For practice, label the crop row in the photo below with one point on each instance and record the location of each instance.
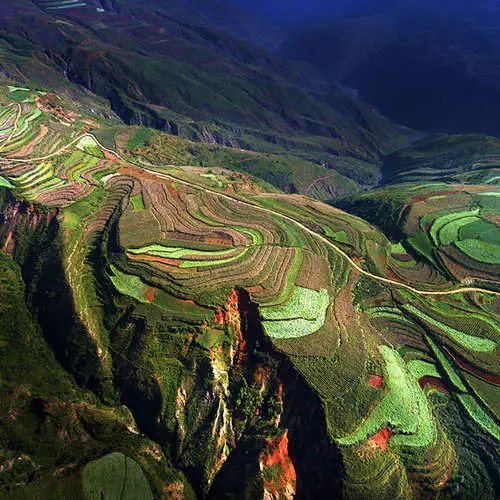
(471, 342)
(404, 408)
(303, 314)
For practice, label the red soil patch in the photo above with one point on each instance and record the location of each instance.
(111, 157)
(154, 258)
(218, 241)
(392, 275)
(188, 301)
(48, 104)
(150, 293)
(434, 382)
(277, 455)
(142, 174)
(487, 377)
(229, 315)
(219, 317)
(381, 439)
(27, 148)
(375, 381)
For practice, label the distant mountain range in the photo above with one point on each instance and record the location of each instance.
(433, 66)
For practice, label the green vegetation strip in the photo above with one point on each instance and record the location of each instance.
(304, 313)
(190, 255)
(403, 409)
(470, 342)
(440, 222)
(137, 202)
(74, 214)
(5, 183)
(479, 415)
(129, 285)
(480, 251)
(419, 368)
(446, 365)
(449, 232)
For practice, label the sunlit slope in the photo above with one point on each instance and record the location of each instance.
(206, 296)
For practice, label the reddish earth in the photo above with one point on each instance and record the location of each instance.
(375, 381)
(392, 275)
(218, 241)
(154, 258)
(28, 147)
(276, 454)
(230, 315)
(111, 157)
(48, 104)
(402, 257)
(150, 293)
(18, 215)
(219, 317)
(381, 439)
(487, 377)
(142, 174)
(434, 382)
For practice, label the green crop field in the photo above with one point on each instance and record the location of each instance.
(404, 408)
(480, 250)
(481, 417)
(188, 300)
(115, 476)
(303, 314)
(468, 341)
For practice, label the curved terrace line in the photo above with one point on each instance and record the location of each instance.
(338, 250)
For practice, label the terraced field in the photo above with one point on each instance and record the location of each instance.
(382, 332)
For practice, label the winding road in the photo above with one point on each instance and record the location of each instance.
(339, 251)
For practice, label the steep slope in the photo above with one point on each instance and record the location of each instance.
(251, 335)
(431, 65)
(195, 82)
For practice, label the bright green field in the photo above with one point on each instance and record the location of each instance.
(5, 183)
(470, 342)
(481, 251)
(190, 255)
(137, 202)
(404, 408)
(479, 415)
(304, 313)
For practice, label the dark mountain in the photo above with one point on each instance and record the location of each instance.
(431, 65)
(191, 80)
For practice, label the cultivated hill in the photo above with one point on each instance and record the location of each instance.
(195, 82)
(174, 331)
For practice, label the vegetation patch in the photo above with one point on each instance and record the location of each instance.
(480, 250)
(479, 415)
(403, 409)
(470, 342)
(304, 313)
(137, 202)
(115, 476)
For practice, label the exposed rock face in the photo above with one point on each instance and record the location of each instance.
(278, 470)
(17, 218)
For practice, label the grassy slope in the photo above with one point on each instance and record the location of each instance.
(51, 422)
(219, 89)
